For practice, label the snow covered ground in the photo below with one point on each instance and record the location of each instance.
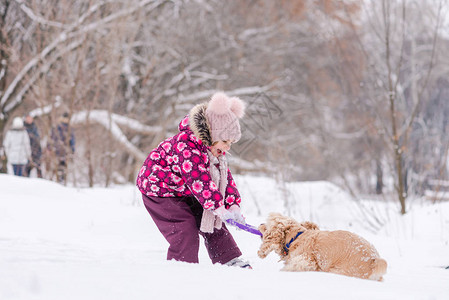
(66, 243)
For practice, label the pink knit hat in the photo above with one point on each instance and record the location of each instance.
(223, 113)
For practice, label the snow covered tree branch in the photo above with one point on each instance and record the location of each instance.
(70, 31)
(103, 118)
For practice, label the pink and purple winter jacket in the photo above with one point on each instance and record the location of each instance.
(179, 167)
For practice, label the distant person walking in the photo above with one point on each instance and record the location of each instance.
(36, 150)
(62, 145)
(17, 146)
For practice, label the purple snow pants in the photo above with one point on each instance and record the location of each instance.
(179, 219)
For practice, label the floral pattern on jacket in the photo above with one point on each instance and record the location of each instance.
(179, 167)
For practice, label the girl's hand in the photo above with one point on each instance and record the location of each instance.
(223, 213)
(237, 214)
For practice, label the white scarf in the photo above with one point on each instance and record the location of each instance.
(220, 177)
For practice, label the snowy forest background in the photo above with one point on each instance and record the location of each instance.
(352, 92)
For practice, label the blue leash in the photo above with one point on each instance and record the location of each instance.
(287, 246)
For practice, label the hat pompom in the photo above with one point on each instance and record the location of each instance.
(238, 107)
(222, 114)
(219, 104)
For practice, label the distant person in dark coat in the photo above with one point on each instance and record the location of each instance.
(36, 150)
(17, 146)
(62, 145)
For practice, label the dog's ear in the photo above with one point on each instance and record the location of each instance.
(274, 216)
(310, 225)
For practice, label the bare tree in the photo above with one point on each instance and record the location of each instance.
(32, 59)
(398, 40)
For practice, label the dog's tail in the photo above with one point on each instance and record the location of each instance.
(379, 268)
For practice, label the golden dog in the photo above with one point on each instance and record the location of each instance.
(303, 247)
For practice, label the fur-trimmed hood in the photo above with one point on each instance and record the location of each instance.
(199, 125)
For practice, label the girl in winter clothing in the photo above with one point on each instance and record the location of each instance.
(17, 146)
(187, 187)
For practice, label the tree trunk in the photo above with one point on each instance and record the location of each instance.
(392, 95)
(397, 155)
(89, 152)
(379, 178)
(4, 57)
(3, 158)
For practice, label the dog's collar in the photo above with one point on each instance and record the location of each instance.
(287, 246)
